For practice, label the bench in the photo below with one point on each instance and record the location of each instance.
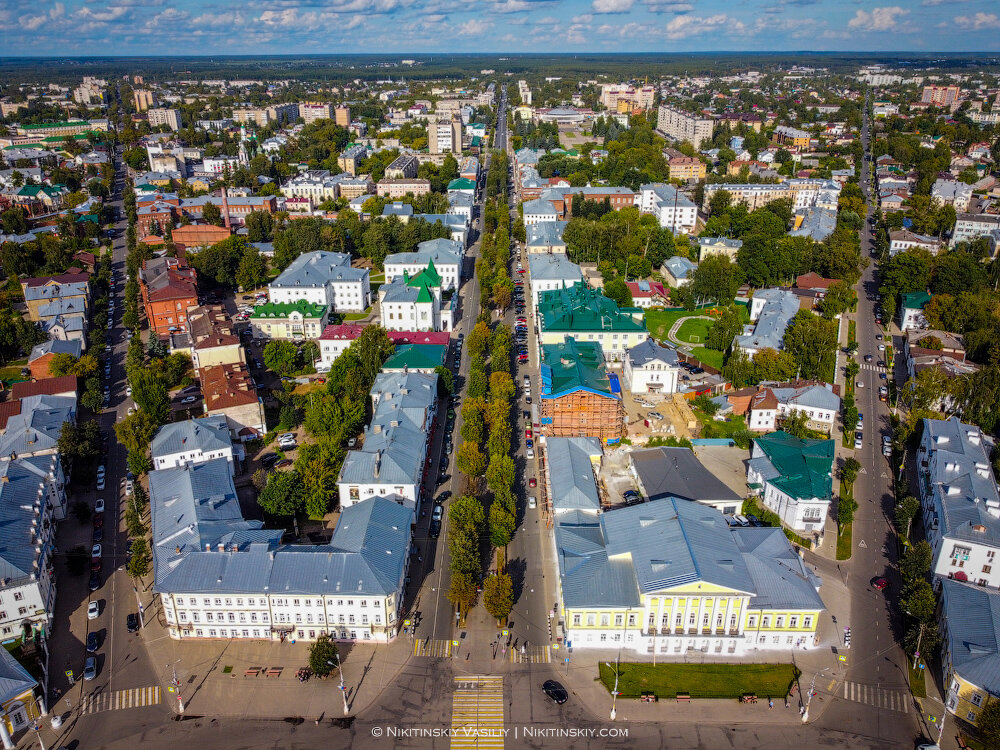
(274, 672)
(252, 671)
(748, 698)
(683, 697)
(649, 698)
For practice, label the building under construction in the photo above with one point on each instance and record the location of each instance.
(579, 397)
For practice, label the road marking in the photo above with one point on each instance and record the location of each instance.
(120, 699)
(891, 700)
(531, 655)
(862, 544)
(477, 713)
(440, 648)
(863, 471)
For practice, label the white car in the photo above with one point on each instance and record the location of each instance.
(860, 384)
(132, 410)
(99, 505)
(288, 437)
(128, 390)
(129, 486)
(93, 611)
(95, 551)
(531, 501)
(189, 399)
(530, 453)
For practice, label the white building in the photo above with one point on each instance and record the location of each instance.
(773, 403)
(191, 442)
(670, 207)
(316, 186)
(771, 310)
(445, 255)
(959, 501)
(794, 478)
(970, 226)
(904, 239)
(415, 303)
(323, 278)
(539, 210)
(651, 367)
(952, 192)
(554, 271)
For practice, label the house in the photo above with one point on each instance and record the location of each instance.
(416, 358)
(539, 210)
(67, 287)
(65, 385)
(816, 223)
(547, 272)
(323, 278)
(191, 442)
(970, 226)
(446, 255)
(718, 590)
(771, 310)
(937, 349)
(36, 429)
(401, 188)
(392, 458)
(911, 311)
(335, 340)
(585, 314)
(952, 192)
(969, 626)
(20, 707)
(211, 339)
(545, 237)
(766, 405)
(415, 303)
(663, 473)
(579, 398)
(718, 246)
(456, 224)
(169, 288)
(229, 391)
(670, 207)
(289, 320)
(678, 271)
(646, 294)
(42, 355)
(794, 479)
(194, 236)
(904, 239)
(569, 476)
(813, 280)
(684, 167)
(651, 367)
(959, 501)
(65, 320)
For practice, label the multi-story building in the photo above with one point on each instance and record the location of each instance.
(952, 192)
(940, 96)
(445, 255)
(551, 271)
(193, 441)
(342, 116)
(392, 460)
(169, 117)
(911, 311)
(587, 315)
(168, 289)
(960, 502)
(804, 193)
(143, 99)
(613, 94)
(71, 289)
(970, 226)
(662, 473)
(62, 129)
(318, 186)
(794, 479)
(289, 320)
(684, 126)
(279, 113)
(538, 211)
(577, 397)
(404, 166)
(335, 340)
(21, 700)
(708, 246)
(400, 188)
(684, 167)
(771, 310)
(444, 136)
(766, 406)
(670, 207)
(230, 392)
(414, 303)
(310, 112)
(545, 237)
(794, 137)
(210, 339)
(323, 278)
(651, 367)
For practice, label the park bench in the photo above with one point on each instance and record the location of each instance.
(683, 697)
(274, 672)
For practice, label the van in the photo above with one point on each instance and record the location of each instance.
(742, 520)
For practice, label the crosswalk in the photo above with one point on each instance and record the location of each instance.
(893, 700)
(120, 699)
(477, 713)
(435, 647)
(872, 366)
(531, 655)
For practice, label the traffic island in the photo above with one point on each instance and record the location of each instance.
(684, 682)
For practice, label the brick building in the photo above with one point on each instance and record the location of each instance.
(579, 398)
(168, 289)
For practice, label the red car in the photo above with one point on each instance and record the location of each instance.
(527, 434)
(532, 482)
(880, 584)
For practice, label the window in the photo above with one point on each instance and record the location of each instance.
(605, 621)
(971, 716)
(807, 621)
(691, 619)
(18, 596)
(576, 621)
(218, 602)
(793, 621)
(977, 699)
(232, 617)
(239, 602)
(631, 621)
(229, 602)
(766, 622)
(987, 568)
(180, 599)
(780, 623)
(619, 620)
(679, 621)
(752, 622)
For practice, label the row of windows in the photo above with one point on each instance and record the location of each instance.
(18, 596)
(21, 611)
(275, 602)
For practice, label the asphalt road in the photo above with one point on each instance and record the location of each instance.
(875, 657)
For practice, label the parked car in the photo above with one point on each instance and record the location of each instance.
(99, 505)
(631, 496)
(95, 581)
(132, 622)
(90, 668)
(93, 610)
(531, 501)
(189, 399)
(434, 531)
(99, 533)
(92, 641)
(438, 513)
(655, 415)
(530, 453)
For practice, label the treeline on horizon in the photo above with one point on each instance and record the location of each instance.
(335, 69)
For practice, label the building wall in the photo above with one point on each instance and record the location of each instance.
(287, 328)
(614, 345)
(653, 377)
(583, 414)
(194, 457)
(218, 355)
(352, 494)
(164, 315)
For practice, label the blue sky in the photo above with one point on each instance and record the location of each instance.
(102, 27)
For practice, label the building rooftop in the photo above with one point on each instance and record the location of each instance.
(677, 472)
(972, 616)
(281, 310)
(768, 332)
(914, 300)
(573, 365)
(545, 233)
(317, 269)
(205, 434)
(56, 346)
(801, 468)
(581, 309)
(553, 267)
(416, 357)
(571, 467)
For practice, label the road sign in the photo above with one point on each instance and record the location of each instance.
(862, 544)
(841, 657)
(862, 471)
(454, 643)
(171, 689)
(506, 633)
(406, 622)
(69, 673)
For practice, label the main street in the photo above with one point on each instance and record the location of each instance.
(875, 657)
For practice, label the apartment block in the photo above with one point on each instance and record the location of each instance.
(342, 116)
(683, 126)
(444, 136)
(940, 96)
(143, 99)
(169, 117)
(310, 112)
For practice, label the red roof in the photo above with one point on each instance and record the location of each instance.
(342, 332)
(655, 287)
(9, 409)
(45, 387)
(65, 278)
(437, 338)
(813, 280)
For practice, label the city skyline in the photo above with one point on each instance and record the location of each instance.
(186, 27)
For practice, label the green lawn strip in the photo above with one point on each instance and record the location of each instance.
(700, 680)
(694, 331)
(711, 428)
(709, 357)
(750, 507)
(357, 316)
(917, 685)
(845, 544)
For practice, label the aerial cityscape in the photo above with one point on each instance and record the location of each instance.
(630, 384)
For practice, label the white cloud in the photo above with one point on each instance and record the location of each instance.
(685, 26)
(659, 6)
(474, 27)
(880, 19)
(576, 34)
(518, 6)
(612, 6)
(585, 18)
(111, 14)
(31, 23)
(979, 22)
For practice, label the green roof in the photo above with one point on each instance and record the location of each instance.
(476, 140)
(416, 357)
(36, 189)
(275, 310)
(70, 124)
(804, 466)
(915, 300)
(581, 308)
(461, 183)
(573, 365)
(147, 188)
(427, 278)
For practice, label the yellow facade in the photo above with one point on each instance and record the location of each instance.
(24, 706)
(965, 700)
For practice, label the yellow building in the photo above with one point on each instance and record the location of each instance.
(20, 706)
(670, 576)
(969, 624)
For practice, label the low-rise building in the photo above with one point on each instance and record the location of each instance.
(229, 391)
(545, 237)
(646, 294)
(539, 210)
(765, 406)
(446, 256)
(952, 193)
(684, 167)
(547, 272)
(68, 287)
(970, 226)
(21, 707)
(794, 479)
(578, 397)
(718, 246)
(211, 339)
(35, 430)
(335, 340)
(42, 355)
(911, 311)
(663, 473)
(168, 288)
(323, 278)
(289, 320)
(193, 441)
(416, 358)
(588, 316)
(771, 310)
(400, 188)
(904, 239)
(411, 303)
(651, 367)
(678, 271)
(670, 207)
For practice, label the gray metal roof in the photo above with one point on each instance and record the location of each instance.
(19, 498)
(668, 194)
(56, 346)
(14, 678)
(769, 330)
(317, 270)
(398, 291)
(38, 426)
(710, 242)
(972, 621)
(54, 291)
(589, 578)
(539, 206)
(397, 209)
(781, 580)
(650, 350)
(62, 306)
(677, 472)
(205, 434)
(553, 267)
(817, 223)
(440, 245)
(572, 473)
(812, 396)
(679, 267)
(545, 233)
(444, 256)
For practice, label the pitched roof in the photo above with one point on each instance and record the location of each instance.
(226, 386)
(281, 310)
(416, 357)
(38, 426)
(205, 434)
(15, 680)
(804, 467)
(56, 346)
(571, 469)
(341, 332)
(677, 472)
(553, 267)
(652, 350)
(581, 309)
(973, 632)
(45, 387)
(318, 269)
(573, 365)
(23, 478)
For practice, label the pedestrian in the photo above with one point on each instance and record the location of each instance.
(770, 704)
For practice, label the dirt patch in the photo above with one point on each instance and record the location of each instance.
(678, 419)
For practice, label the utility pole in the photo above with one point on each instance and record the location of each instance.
(812, 686)
(340, 673)
(177, 686)
(142, 622)
(614, 693)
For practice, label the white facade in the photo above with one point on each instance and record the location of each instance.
(323, 278)
(194, 456)
(654, 376)
(802, 514)
(670, 207)
(449, 272)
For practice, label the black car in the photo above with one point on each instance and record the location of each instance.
(443, 496)
(98, 534)
(269, 459)
(555, 691)
(754, 521)
(435, 529)
(631, 496)
(92, 643)
(132, 623)
(95, 581)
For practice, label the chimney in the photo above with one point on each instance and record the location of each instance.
(222, 547)
(378, 462)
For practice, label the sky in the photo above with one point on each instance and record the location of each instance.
(184, 27)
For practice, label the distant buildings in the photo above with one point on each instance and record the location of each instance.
(803, 192)
(169, 117)
(143, 99)
(684, 167)
(311, 112)
(970, 226)
(940, 96)
(683, 126)
(444, 136)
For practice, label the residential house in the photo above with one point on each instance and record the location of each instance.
(670, 207)
(545, 237)
(651, 367)
(718, 246)
(970, 226)
(911, 311)
(335, 340)
(20, 707)
(663, 473)
(816, 223)
(211, 339)
(537, 211)
(66, 288)
(401, 188)
(794, 479)
(547, 272)
(416, 358)
(193, 441)
(952, 193)
(168, 288)
(415, 303)
(65, 385)
(289, 320)
(938, 350)
(229, 391)
(323, 278)
(446, 256)
(42, 355)
(684, 167)
(587, 315)
(36, 429)
(771, 310)
(572, 461)
(766, 405)
(646, 294)
(904, 239)
(678, 271)
(578, 397)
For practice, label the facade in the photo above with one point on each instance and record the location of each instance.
(143, 99)
(323, 278)
(588, 316)
(548, 272)
(670, 207)
(20, 706)
(537, 211)
(683, 126)
(684, 167)
(767, 405)
(793, 137)
(402, 187)
(718, 246)
(952, 192)
(651, 367)
(970, 226)
(168, 289)
(169, 117)
(192, 442)
(771, 310)
(414, 303)
(904, 239)
(794, 478)
(335, 340)
(444, 254)
(289, 320)
(211, 339)
(342, 115)
(310, 112)
(393, 454)
(618, 589)
(678, 271)
(68, 287)
(663, 473)
(42, 355)
(911, 311)
(578, 398)
(228, 391)
(444, 136)
(940, 96)
(646, 294)
(545, 237)
(405, 166)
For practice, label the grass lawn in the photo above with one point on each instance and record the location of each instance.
(700, 680)
(710, 428)
(709, 357)
(348, 317)
(750, 507)
(694, 331)
(917, 685)
(845, 544)
(658, 322)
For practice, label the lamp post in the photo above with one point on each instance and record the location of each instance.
(340, 673)
(805, 714)
(177, 686)
(614, 693)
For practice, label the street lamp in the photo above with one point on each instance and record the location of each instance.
(805, 713)
(614, 693)
(340, 672)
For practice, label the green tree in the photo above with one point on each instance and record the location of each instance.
(211, 214)
(916, 561)
(500, 473)
(771, 365)
(323, 656)
(473, 420)
(846, 508)
(812, 341)
(717, 279)
(282, 496)
(281, 357)
(446, 381)
(498, 596)
(918, 600)
(252, 270)
(462, 591)
(739, 368)
(260, 226)
(796, 423)
(470, 459)
(725, 328)
(849, 471)
(150, 393)
(617, 290)
(138, 564)
(839, 299)
(502, 524)
(988, 724)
